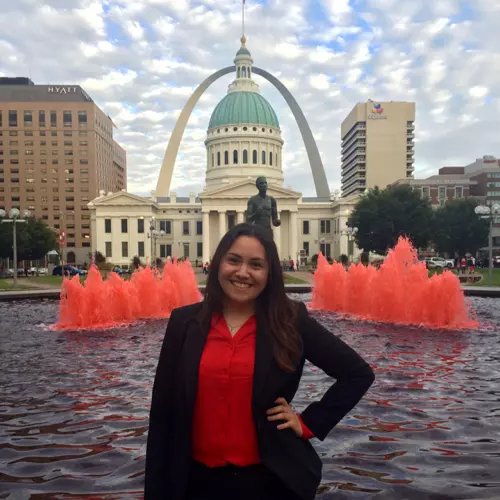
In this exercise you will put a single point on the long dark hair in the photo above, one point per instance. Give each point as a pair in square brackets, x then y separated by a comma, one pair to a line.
[276, 313]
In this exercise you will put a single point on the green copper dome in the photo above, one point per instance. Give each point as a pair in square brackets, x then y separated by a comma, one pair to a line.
[243, 107]
[243, 52]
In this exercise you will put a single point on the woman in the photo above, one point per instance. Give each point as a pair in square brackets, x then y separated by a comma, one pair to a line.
[221, 425]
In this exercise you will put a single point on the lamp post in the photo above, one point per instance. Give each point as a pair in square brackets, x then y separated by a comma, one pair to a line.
[350, 232]
[154, 234]
[485, 212]
[14, 215]
[152, 229]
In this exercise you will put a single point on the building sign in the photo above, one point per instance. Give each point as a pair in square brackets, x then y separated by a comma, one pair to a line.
[62, 90]
[377, 113]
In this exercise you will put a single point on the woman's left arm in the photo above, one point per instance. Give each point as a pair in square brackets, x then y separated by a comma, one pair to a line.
[353, 375]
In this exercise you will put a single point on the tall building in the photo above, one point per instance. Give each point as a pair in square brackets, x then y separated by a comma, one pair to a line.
[56, 154]
[377, 145]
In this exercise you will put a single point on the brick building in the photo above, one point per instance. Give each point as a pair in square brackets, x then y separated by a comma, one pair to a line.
[56, 154]
[451, 183]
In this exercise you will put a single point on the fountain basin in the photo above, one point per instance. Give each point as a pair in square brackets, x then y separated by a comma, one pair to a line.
[75, 408]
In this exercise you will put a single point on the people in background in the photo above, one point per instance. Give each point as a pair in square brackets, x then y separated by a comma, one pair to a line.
[463, 265]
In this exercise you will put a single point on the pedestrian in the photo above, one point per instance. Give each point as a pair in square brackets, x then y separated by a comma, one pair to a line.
[463, 265]
[221, 424]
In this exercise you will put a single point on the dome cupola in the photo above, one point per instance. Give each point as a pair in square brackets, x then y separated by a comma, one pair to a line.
[244, 136]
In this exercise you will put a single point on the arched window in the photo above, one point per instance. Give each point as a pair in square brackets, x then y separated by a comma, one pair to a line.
[277, 160]
[226, 157]
[249, 73]
[263, 157]
[244, 72]
[238, 72]
[235, 157]
[245, 156]
[254, 157]
[213, 160]
[271, 159]
[218, 158]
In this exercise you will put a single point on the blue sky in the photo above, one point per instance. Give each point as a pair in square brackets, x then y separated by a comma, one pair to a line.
[141, 59]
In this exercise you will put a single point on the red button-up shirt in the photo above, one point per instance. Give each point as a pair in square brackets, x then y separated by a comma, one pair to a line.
[223, 426]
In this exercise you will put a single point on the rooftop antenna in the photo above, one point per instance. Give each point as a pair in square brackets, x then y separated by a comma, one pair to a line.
[243, 18]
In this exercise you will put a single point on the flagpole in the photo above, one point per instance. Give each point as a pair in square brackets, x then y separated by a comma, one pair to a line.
[243, 18]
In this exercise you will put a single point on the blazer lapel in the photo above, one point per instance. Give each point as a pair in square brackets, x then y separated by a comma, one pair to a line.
[194, 343]
[263, 363]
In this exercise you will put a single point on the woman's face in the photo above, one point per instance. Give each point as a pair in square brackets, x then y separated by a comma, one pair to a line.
[244, 270]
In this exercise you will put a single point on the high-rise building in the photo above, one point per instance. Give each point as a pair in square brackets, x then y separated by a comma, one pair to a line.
[56, 154]
[377, 145]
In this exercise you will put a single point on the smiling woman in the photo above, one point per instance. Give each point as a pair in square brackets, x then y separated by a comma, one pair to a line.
[221, 425]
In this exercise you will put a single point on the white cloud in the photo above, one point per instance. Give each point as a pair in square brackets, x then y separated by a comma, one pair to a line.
[478, 91]
[141, 60]
[110, 80]
[319, 82]
[134, 29]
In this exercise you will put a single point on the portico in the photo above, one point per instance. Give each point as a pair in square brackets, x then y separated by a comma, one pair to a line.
[234, 198]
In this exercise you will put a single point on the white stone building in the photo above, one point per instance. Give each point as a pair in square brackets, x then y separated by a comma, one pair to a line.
[243, 142]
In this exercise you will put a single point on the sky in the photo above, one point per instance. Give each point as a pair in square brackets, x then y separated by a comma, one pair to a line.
[140, 60]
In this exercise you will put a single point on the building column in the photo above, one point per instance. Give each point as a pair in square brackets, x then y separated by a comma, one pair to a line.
[222, 224]
[240, 217]
[293, 236]
[277, 237]
[206, 236]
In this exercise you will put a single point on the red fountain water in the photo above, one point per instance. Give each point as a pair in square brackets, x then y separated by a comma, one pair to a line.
[399, 292]
[149, 293]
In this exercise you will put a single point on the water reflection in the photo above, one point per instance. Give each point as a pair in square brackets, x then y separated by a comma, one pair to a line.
[74, 411]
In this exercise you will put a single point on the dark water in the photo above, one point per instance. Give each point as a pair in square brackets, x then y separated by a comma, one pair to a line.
[74, 410]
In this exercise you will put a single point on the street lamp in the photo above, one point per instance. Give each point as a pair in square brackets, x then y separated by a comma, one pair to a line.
[350, 232]
[14, 215]
[154, 234]
[485, 212]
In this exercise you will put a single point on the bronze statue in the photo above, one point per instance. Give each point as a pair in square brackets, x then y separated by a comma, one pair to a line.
[262, 208]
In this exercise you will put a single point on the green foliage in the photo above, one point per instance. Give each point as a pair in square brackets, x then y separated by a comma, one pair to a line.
[382, 216]
[105, 266]
[459, 229]
[364, 258]
[34, 240]
[136, 262]
[99, 258]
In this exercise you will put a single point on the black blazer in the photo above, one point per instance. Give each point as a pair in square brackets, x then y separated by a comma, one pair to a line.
[293, 459]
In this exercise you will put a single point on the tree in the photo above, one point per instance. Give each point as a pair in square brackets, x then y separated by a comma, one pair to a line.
[136, 263]
[382, 216]
[364, 258]
[34, 240]
[99, 257]
[459, 229]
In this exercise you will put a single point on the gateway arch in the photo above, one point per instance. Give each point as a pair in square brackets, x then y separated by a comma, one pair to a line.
[167, 167]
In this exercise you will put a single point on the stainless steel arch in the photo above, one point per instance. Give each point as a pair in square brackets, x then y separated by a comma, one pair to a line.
[318, 171]
[167, 167]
